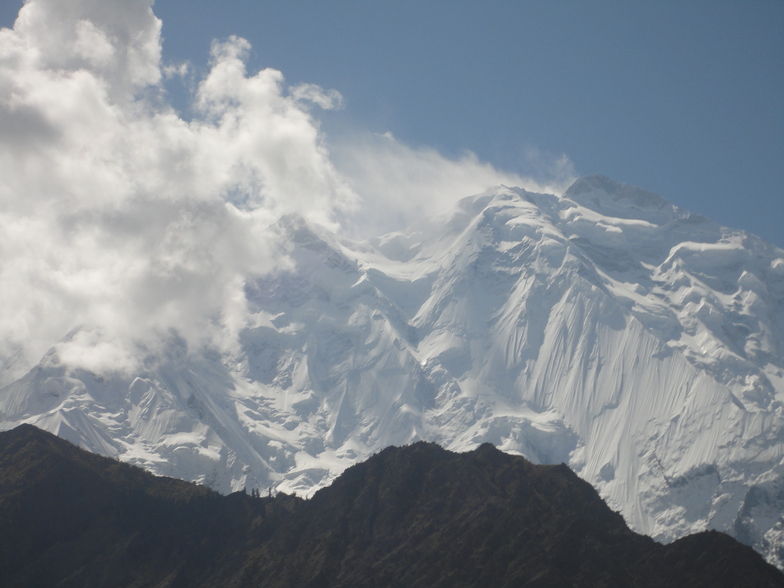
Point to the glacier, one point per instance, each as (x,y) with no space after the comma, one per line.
(604,328)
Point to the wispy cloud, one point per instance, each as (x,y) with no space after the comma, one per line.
(400,184)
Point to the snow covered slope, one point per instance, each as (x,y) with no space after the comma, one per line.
(605,328)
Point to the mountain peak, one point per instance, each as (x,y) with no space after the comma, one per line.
(616,199)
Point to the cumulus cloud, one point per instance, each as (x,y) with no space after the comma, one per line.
(118,42)
(122,219)
(124,226)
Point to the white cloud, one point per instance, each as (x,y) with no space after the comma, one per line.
(93,45)
(327,100)
(115,39)
(118,216)
(176,70)
(121,219)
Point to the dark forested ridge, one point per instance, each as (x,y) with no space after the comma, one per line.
(410,516)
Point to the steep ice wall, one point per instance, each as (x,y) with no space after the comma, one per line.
(605,328)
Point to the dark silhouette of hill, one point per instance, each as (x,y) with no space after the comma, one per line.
(410,516)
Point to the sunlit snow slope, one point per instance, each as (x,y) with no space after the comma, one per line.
(605,328)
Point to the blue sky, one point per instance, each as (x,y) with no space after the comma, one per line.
(685,99)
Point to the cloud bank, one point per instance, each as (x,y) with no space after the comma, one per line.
(122,220)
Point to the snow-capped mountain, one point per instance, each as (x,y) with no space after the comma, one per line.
(638,343)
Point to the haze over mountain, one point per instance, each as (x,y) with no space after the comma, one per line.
(414,516)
